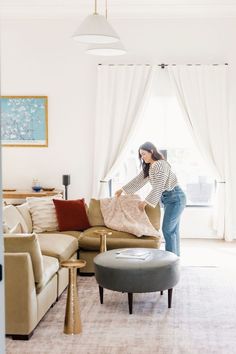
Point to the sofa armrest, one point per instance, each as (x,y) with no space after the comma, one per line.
(20,294)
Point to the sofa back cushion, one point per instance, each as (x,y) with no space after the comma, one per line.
(94,213)
(154,215)
(25,213)
(26,243)
(71,214)
(12,217)
(43,213)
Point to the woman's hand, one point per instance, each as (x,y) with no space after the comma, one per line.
(118,193)
(142,205)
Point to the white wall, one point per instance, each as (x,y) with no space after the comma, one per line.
(40,58)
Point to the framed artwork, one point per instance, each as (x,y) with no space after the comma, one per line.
(24,121)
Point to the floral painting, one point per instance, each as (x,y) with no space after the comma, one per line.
(24,121)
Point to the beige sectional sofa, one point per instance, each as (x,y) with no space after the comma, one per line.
(34,279)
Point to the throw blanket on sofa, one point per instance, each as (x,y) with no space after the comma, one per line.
(123,214)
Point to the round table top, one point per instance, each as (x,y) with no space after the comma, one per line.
(103,232)
(74,263)
(156,259)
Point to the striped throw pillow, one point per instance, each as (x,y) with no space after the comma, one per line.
(43,213)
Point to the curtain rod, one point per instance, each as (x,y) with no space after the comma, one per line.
(161,65)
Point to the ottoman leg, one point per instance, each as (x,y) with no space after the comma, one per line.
(130,300)
(101,294)
(170,291)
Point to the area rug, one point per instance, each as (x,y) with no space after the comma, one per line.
(202,320)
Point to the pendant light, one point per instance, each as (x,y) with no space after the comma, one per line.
(95,29)
(109,49)
(106,49)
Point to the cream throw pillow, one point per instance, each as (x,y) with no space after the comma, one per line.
(12,217)
(43,213)
(25,213)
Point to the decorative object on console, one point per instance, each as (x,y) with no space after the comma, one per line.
(71,215)
(36,185)
(24,121)
(48,189)
(66,183)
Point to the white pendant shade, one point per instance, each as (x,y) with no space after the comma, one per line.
(111,49)
(95,29)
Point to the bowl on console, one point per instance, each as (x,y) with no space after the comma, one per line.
(36,188)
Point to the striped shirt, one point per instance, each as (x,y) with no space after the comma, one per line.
(161,178)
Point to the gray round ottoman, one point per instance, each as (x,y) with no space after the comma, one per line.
(159,272)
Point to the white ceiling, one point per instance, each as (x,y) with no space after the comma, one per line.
(118,8)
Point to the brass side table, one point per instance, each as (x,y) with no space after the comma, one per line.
(103,239)
(72,324)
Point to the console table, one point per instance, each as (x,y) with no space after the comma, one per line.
(23,194)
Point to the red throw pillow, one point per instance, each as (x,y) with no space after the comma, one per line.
(71,214)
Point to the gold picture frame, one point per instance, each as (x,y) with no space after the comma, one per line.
(24,121)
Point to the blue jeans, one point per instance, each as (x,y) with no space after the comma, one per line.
(174,202)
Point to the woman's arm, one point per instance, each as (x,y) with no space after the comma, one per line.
(135,184)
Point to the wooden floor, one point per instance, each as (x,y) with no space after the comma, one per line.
(208,252)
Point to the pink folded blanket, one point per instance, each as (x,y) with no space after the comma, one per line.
(123,214)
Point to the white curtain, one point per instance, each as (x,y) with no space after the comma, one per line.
(122,91)
(202,94)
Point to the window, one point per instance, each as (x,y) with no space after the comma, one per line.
(163,124)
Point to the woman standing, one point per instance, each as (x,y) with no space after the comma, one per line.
(157,171)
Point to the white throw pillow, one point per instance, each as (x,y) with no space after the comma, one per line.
(17,229)
(24,211)
(43,213)
(12,217)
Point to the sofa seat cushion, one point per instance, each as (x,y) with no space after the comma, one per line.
(75,234)
(51,266)
(60,246)
(91,241)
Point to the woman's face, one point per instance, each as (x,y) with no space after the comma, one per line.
(146,156)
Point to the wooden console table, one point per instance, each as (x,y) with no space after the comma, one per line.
(22,194)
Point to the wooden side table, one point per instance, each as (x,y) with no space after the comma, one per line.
(72,324)
(103,239)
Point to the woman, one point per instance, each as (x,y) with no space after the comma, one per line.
(157,171)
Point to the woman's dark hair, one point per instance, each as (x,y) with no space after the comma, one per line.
(155,156)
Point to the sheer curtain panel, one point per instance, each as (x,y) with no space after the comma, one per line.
(122,91)
(202,94)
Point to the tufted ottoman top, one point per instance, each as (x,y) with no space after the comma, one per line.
(160,271)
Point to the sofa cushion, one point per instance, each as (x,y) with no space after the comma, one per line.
(60,246)
(91,241)
(154,215)
(75,234)
(50,266)
(71,214)
(94,213)
(43,213)
(11,217)
(24,211)
(27,244)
